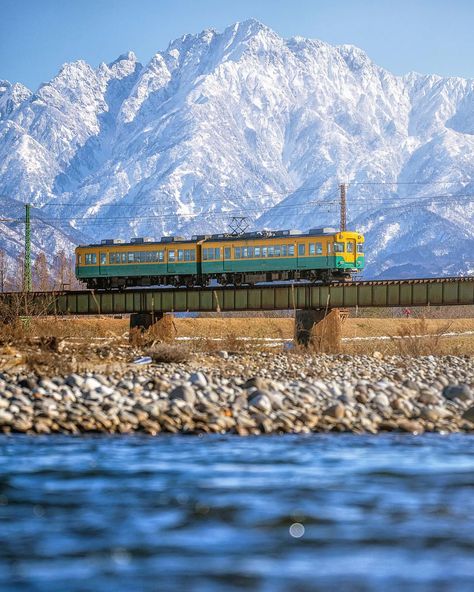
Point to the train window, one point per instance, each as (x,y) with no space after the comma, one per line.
(192,254)
(130,257)
(226,252)
(236,252)
(319,248)
(124,257)
(277,250)
(245,252)
(103,258)
(350,247)
(291,250)
(251,252)
(271,251)
(339,247)
(88,258)
(149,256)
(204,254)
(170,256)
(79,259)
(360,248)
(284,250)
(301,250)
(257,251)
(161,256)
(94,258)
(264,251)
(329,248)
(217,254)
(180,255)
(312,249)
(112,258)
(187,255)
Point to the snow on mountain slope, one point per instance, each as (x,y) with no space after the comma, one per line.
(248,123)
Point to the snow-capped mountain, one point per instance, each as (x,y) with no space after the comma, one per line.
(244,122)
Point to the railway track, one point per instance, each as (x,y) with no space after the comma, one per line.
(337,284)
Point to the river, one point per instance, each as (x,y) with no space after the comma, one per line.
(223,513)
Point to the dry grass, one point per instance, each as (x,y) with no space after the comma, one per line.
(420,339)
(410,336)
(399,335)
(241,327)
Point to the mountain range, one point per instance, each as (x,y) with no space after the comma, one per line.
(243,123)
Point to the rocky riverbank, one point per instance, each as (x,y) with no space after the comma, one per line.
(242,394)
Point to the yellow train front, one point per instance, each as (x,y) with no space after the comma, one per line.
(320,255)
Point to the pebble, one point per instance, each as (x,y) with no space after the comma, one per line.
(91,384)
(260,400)
(458,391)
(247,395)
(469,414)
(336,411)
(381,400)
(185,393)
(198,379)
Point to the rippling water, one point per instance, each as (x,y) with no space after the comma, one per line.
(285,513)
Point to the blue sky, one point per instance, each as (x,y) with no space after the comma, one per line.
(38,36)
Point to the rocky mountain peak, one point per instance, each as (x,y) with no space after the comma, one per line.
(245,122)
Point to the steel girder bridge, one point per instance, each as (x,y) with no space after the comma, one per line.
(311,302)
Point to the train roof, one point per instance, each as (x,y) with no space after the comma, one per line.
(221,237)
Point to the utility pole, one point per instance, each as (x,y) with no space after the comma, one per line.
(2,270)
(27,263)
(342,188)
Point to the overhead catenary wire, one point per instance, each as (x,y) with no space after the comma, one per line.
(421,201)
(361,202)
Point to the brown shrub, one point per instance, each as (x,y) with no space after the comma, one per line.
(419,338)
(163,330)
(168,354)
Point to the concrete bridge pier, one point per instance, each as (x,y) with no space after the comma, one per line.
(161,325)
(144,320)
(319,329)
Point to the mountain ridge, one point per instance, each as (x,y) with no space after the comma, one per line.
(244,121)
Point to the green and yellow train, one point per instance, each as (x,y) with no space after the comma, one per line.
(320,255)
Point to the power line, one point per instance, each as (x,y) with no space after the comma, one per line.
(366,202)
(211,200)
(362,203)
(287,192)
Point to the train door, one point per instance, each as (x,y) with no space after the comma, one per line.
(227,265)
(199,259)
(301,262)
(102,263)
(219,255)
(351,251)
(171,255)
(329,261)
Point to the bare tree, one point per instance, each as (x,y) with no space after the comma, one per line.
(72,283)
(41,278)
(60,265)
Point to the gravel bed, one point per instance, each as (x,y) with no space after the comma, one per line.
(242,394)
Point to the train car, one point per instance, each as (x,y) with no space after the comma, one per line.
(142,262)
(318,255)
